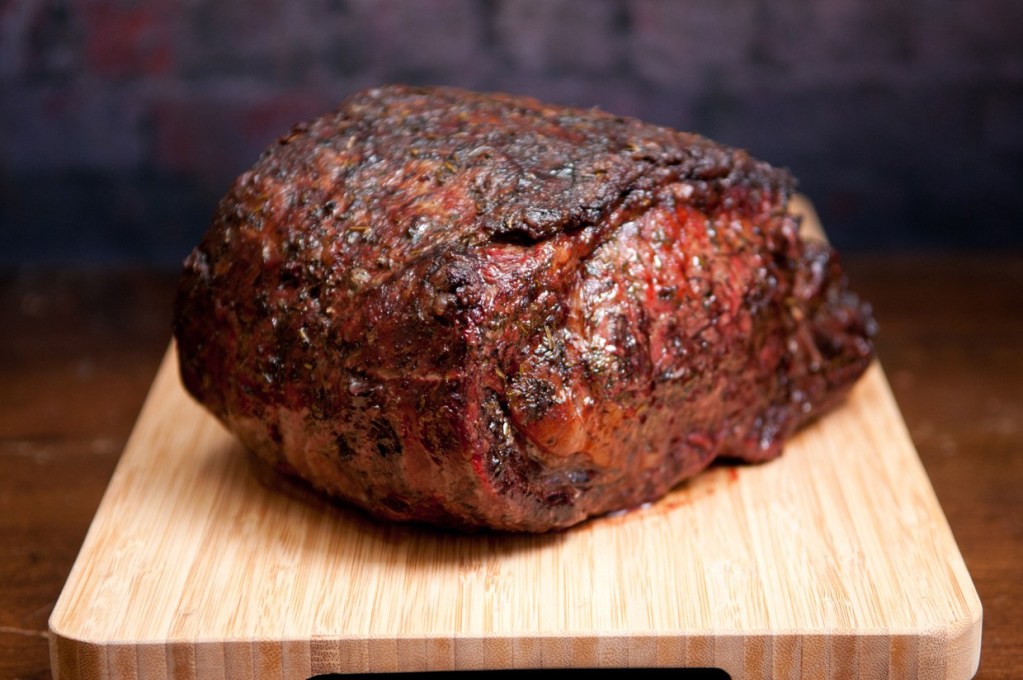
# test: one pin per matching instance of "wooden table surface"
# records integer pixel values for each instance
(78, 351)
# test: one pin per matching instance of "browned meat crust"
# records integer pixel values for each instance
(483, 311)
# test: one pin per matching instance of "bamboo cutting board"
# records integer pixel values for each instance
(834, 561)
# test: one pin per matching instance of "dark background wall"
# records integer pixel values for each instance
(122, 123)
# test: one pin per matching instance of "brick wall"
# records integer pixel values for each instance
(122, 122)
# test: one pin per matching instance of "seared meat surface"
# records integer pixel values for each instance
(479, 310)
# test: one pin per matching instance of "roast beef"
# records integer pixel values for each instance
(479, 310)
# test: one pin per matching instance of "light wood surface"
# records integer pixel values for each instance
(833, 561)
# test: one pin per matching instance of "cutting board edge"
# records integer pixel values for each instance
(952, 653)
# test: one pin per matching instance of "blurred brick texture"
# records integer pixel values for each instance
(122, 123)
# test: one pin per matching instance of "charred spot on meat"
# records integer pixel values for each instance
(479, 310)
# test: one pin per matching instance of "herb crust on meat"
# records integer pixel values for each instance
(479, 310)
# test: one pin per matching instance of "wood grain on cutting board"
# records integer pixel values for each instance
(833, 561)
